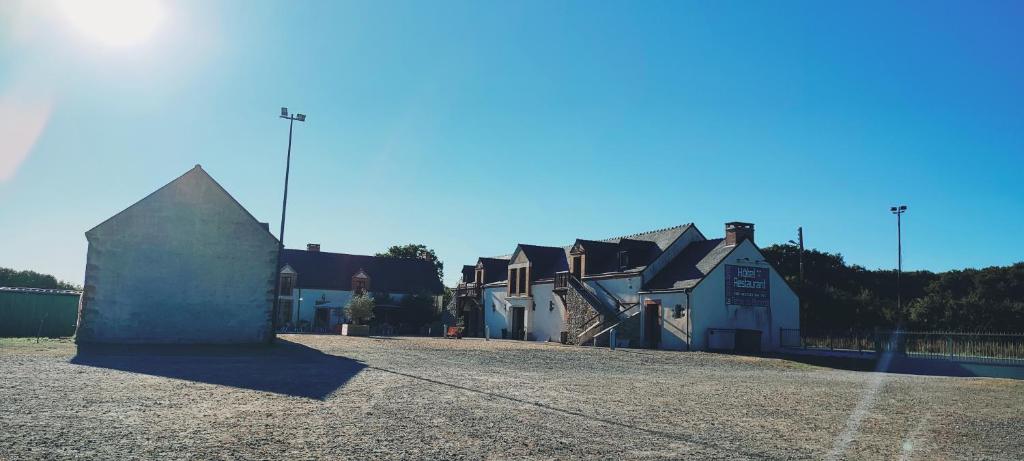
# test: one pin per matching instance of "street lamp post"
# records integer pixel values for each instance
(284, 207)
(898, 211)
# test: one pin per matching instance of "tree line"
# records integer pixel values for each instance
(836, 296)
(32, 279)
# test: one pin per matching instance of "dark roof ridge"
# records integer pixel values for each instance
(638, 234)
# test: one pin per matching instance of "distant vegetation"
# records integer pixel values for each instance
(31, 279)
(416, 251)
(839, 297)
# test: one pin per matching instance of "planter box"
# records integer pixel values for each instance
(348, 329)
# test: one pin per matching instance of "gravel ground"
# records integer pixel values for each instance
(391, 398)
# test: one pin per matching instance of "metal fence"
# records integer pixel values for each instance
(1005, 348)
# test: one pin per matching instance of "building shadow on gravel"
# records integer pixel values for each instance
(284, 367)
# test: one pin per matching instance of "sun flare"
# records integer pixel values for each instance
(118, 23)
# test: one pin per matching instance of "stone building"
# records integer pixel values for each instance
(186, 264)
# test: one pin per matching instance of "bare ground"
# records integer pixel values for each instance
(398, 398)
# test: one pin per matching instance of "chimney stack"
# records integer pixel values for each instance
(736, 232)
(313, 247)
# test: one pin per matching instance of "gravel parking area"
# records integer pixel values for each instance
(397, 398)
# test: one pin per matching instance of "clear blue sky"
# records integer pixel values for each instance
(472, 126)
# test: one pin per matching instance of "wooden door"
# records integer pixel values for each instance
(652, 325)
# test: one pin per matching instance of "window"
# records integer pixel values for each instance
(513, 281)
(623, 260)
(287, 284)
(522, 281)
(677, 313)
(359, 286)
(479, 276)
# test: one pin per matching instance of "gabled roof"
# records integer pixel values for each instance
(661, 237)
(334, 271)
(602, 255)
(197, 173)
(495, 269)
(468, 273)
(545, 261)
(694, 263)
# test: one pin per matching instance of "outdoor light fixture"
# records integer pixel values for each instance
(284, 208)
(551, 306)
(898, 211)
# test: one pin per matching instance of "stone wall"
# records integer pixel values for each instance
(185, 265)
(579, 311)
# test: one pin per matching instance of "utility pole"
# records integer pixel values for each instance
(800, 243)
(284, 207)
(898, 211)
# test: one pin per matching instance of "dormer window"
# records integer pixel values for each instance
(479, 276)
(623, 260)
(360, 283)
(286, 282)
(577, 260)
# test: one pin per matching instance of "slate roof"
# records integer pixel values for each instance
(545, 260)
(495, 269)
(694, 263)
(661, 237)
(334, 271)
(468, 273)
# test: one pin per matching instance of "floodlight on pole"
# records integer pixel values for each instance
(284, 207)
(898, 211)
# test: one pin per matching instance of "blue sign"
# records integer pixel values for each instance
(746, 286)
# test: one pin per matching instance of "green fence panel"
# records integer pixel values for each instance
(48, 313)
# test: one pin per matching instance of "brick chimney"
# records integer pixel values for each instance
(736, 232)
(313, 247)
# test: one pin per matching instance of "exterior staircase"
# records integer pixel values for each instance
(591, 317)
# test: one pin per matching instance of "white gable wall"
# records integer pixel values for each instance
(710, 311)
(185, 265)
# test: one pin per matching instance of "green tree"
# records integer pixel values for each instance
(31, 279)
(416, 251)
(837, 296)
(360, 309)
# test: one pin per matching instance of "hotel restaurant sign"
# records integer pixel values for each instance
(746, 286)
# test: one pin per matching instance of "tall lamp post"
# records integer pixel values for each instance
(898, 211)
(284, 207)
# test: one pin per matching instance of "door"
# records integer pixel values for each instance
(322, 319)
(518, 322)
(652, 326)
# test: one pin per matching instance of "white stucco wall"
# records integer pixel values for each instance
(710, 311)
(547, 320)
(185, 265)
(624, 288)
(673, 331)
(496, 316)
